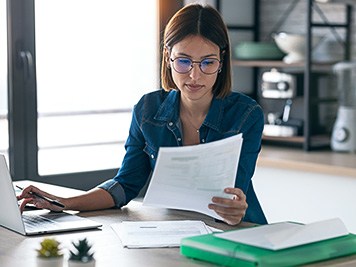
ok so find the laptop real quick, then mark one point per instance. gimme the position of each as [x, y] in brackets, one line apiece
[34, 222]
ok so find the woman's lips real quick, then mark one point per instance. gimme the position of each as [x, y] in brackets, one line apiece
[194, 87]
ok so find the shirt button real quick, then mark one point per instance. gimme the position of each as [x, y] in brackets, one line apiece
[203, 140]
[152, 156]
[170, 124]
[179, 139]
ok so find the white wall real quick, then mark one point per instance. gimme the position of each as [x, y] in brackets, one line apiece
[289, 195]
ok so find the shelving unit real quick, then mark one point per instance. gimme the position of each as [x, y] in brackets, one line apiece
[308, 140]
[308, 101]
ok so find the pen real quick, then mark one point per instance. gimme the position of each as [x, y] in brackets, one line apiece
[44, 198]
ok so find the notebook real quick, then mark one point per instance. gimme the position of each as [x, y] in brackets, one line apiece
[31, 223]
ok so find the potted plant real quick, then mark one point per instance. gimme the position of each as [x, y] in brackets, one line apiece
[81, 256]
[49, 255]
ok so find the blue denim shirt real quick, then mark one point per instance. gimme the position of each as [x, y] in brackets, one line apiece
[156, 123]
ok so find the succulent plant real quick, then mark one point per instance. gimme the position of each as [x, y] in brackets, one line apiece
[82, 251]
[49, 248]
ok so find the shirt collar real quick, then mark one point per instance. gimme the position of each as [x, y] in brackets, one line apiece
[169, 110]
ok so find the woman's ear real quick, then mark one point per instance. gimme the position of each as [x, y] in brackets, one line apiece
[166, 56]
[222, 56]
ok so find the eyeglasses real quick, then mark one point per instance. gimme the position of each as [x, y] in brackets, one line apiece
[184, 65]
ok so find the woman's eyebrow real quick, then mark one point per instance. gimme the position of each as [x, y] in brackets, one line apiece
[205, 56]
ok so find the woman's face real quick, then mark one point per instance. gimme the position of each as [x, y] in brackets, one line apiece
[194, 85]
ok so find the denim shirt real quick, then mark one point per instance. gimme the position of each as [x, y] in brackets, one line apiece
[156, 123]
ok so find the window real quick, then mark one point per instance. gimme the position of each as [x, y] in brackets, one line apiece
[77, 67]
[90, 73]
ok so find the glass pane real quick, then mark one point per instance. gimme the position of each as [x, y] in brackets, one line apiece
[95, 59]
[4, 133]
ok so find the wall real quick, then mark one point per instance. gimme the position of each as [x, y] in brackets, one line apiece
[289, 195]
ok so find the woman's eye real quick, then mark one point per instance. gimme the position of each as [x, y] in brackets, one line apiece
[184, 61]
[208, 62]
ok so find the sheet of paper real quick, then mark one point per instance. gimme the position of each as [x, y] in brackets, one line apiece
[287, 234]
[188, 177]
[154, 234]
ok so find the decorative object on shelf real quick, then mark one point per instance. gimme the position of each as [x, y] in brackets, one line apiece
[81, 256]
[280, 85]
[280, 124]
[258, 51]
[294, 45]
[49, 255]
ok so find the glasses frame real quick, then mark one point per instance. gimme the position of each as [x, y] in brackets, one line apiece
[195, 61]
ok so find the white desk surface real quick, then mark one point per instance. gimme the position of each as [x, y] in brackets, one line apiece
[18, 250]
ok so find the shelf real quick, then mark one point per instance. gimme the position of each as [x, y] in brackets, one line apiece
[279, 63]
[265, 63]
[293, 139]
[316, 140]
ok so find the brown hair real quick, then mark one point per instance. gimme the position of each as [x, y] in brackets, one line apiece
[204, 21]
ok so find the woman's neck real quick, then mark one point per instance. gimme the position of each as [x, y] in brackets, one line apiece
[195, 109]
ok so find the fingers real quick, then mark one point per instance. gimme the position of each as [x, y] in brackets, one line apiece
[236, 191]
[24, 202]
[231, 210]
[26, 192]
[29, 198]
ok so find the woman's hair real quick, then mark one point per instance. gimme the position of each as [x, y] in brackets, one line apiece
[204, 21]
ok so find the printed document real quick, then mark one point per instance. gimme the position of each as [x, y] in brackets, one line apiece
[287, 234]
[154, 234]
[188, 177]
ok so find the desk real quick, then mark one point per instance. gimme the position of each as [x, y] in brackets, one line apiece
[17, 250]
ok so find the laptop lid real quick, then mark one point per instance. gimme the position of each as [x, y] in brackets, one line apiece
[11, 217]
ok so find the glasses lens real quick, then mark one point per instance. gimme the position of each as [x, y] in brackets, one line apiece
[209, 65]
[182, 65]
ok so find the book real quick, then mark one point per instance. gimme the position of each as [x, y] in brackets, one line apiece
[229, 253]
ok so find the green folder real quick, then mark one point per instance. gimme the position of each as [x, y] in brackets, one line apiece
[229, 253]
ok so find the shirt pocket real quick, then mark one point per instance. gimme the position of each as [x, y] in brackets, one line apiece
[151, 152]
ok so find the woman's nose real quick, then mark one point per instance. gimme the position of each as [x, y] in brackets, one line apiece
[195, 72]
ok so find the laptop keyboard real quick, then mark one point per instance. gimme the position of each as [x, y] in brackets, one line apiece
[33, 222]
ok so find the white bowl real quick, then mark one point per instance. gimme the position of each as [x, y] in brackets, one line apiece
[294, 45]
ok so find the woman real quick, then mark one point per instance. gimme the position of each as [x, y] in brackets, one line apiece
[195, 106]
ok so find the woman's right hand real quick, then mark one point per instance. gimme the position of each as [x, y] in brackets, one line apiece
[29, 198]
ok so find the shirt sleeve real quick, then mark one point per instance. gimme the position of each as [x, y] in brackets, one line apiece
[115, 190]
[252, 134]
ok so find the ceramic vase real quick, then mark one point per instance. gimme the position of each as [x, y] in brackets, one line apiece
[50, 262]
[72, 263]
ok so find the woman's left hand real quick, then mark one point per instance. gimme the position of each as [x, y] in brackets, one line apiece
[233, 210]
